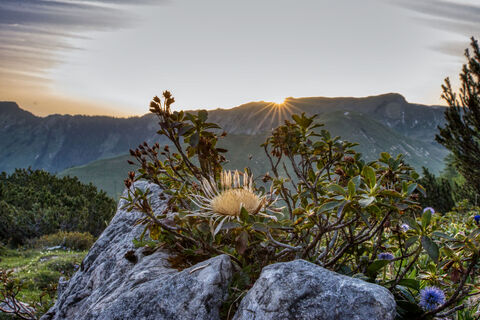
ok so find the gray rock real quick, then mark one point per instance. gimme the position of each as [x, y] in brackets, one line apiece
[302, 290]
[108, 286]
[62, 285]
[54, 248]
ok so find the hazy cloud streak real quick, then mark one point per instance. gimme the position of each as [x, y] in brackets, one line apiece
[34, 33]
[459, 18]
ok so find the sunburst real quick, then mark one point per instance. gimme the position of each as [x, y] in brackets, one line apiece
[275, 113]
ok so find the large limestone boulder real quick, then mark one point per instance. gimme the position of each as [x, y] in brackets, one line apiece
[303, 291]
[109, 286]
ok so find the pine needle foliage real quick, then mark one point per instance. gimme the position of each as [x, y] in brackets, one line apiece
[461, 133]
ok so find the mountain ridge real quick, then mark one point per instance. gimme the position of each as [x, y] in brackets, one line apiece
[57, 142]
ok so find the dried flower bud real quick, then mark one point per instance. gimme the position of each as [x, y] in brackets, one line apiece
[349, 159]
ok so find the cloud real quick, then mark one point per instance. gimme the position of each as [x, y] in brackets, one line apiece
[455, 17]
[448, 10]
[34, 33]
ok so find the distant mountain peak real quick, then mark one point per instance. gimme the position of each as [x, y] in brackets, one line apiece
[393, 97]
[8, 106]
[11, 108]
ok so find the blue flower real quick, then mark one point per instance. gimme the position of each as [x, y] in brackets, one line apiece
[429, 208]
[431, 298]
[477, 218]
[405, 227]
[385, 256]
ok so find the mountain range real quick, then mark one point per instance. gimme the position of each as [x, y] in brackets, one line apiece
[94, 148]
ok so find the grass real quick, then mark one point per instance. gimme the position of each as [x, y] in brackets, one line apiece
[39, 271]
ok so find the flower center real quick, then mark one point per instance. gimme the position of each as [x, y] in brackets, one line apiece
[229, 202]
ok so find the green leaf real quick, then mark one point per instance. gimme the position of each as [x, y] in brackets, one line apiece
[411, 188]
[351, 188]
[244, 214]
[366, 201]
[184, 129]
[231, 225]
[422, 190]
[369, 175]
[357, 181]
[296, 118]
[426, 218]
[329, 206]
[411, 223]
[385, 156]
[410, 241]
[203, 115]
[375, 267]
[391, 193]
[262, 227]
[442, 235]
[431, 247]
[337, 189]
[410, 283]
[298, 211]
[155, 232]
[194, 139]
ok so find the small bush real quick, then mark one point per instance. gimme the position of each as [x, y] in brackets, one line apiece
[71, 240]
[44, 279]
[36, 203]
[65, 267]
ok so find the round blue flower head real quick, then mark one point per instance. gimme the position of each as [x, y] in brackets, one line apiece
[405, 227]
[429, 208]
[431, 298]
[477, 218]
[385, 256]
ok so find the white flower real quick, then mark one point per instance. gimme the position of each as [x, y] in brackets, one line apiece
[225, 200]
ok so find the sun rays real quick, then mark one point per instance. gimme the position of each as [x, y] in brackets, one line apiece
[274, 114]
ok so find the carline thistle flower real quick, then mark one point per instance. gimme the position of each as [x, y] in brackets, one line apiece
[385, 256]
[431, 298]
[224, 200]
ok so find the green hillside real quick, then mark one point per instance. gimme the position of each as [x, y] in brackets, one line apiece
[57, 142]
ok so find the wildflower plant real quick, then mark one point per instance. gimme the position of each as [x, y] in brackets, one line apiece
[385, 256]
[324, 204]
[431, 298]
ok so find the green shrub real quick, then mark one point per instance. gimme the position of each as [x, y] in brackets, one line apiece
[71, 240]
[36, 203]
[66, 267]
[43, 279]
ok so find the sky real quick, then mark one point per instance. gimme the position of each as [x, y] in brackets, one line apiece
[111, 57]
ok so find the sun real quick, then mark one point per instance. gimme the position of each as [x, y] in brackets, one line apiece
[279, 101]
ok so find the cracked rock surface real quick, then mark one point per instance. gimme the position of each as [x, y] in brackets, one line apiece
[304, 291]
[109, 286]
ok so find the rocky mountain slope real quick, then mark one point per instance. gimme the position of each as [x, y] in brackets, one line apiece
[379, 123]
